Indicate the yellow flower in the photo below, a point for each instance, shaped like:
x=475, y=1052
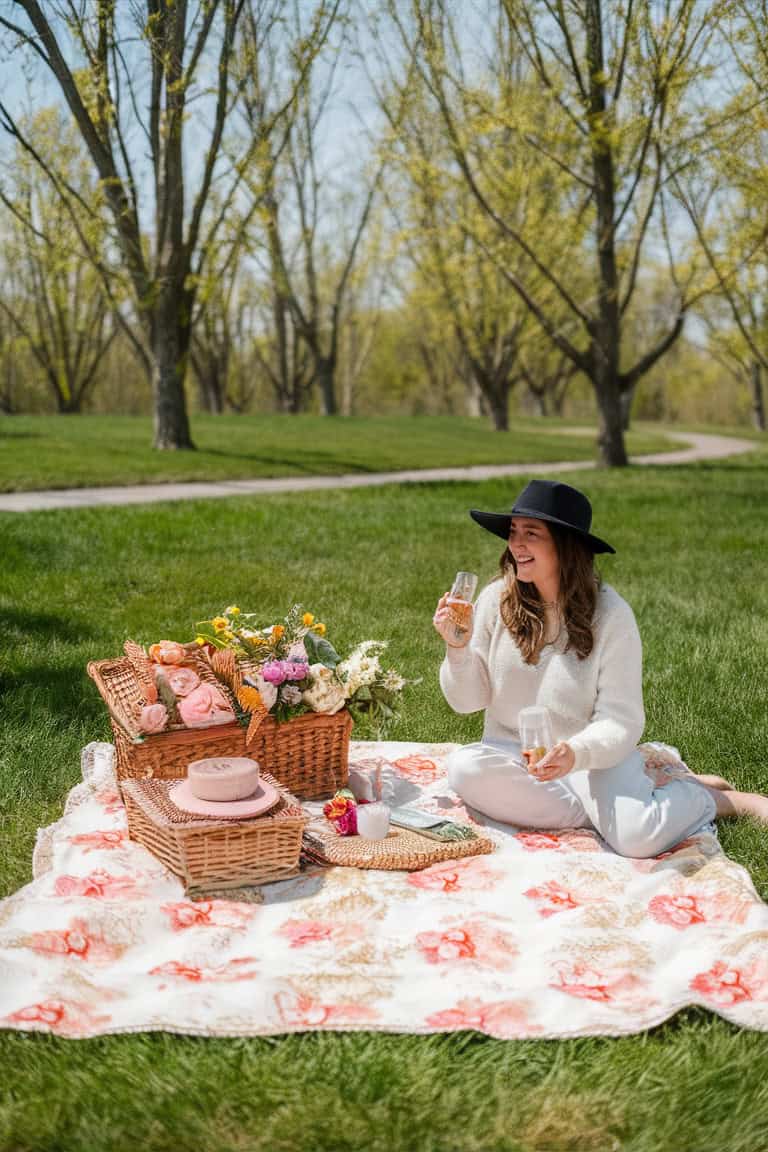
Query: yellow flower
x=278, y=632
x=319, y=628
x=220, y=623
x=307, y=619
x=233, y=610
x=227, y=635
x=200, y=640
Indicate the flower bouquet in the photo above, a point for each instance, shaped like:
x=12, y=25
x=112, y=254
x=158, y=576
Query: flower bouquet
x=291, y=668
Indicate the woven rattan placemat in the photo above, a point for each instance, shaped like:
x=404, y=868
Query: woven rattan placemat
x=152, y=797
x=403, y=850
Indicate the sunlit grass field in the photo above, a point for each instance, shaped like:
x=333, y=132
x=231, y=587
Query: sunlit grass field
x=691, y=546
x=82, y=451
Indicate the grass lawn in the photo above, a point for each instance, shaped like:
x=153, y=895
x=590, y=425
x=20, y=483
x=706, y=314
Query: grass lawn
x=81, y=451
x=691, y=559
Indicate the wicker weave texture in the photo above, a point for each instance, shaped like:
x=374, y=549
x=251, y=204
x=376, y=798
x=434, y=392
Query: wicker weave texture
x=308, y=754
x=402, y=850
x=207, y=854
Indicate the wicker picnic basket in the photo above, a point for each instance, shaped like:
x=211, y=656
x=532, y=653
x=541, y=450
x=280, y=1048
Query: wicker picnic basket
x=308, y=754
x=215, y=854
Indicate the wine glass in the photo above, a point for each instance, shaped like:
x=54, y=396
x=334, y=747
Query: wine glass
x=535, y=733
x=460, y=602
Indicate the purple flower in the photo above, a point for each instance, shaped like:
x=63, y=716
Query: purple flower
x=274, y=672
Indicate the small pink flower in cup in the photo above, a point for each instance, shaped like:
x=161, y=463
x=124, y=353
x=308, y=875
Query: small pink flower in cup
x=203, y=706
x=182, y=681
x=153, y=718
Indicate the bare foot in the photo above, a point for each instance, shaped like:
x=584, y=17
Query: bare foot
x=714, y=782
x=741, y=804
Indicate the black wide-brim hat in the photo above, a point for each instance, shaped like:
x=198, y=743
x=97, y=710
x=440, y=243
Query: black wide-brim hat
x=551, y=501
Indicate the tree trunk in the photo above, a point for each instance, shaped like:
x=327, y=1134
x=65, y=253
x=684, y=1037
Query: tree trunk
x=613, y=453
x=171, y=336
x=324, y=374
x=606, y=341
x=626, y=397
x=758, y=405
x=495, y=393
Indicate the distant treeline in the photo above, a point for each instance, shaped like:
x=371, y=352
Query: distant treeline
x=346, y=208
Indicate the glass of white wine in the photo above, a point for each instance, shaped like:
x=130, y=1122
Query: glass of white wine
x=535, y=734
x=460, y=602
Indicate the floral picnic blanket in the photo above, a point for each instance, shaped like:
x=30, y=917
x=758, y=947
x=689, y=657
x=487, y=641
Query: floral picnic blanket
x=552, y=935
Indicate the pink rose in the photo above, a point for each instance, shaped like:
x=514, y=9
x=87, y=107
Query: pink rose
x=181, y=681
x=167, y=652
x=295, y=669
x=274, y=672
x=346, y=825
x=205, y=705
x=153, y=718
x=297, y=651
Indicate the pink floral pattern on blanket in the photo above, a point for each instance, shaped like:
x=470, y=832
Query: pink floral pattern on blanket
x=99, y=841
x=63, y=1017
x=78, y=940
x=473, y=873
x=240, y=968
x=98, y=885
x=418, y=769
x=504, y=1019
x=550, y=935
x=551, y=898
x=471, y=942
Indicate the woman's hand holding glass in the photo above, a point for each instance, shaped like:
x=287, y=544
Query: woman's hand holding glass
x=556, y=763
x=457, y=634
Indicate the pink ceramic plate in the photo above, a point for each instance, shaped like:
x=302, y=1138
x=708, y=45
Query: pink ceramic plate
x=264, y=798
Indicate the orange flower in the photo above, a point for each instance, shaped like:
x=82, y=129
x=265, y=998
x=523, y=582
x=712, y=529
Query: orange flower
x=250, y=698
x=278, y=632
x=319, y=628
x=336, y=807
x=307, y=619
x=167, y=652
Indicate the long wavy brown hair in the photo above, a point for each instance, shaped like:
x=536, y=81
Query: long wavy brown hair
x=522, y=608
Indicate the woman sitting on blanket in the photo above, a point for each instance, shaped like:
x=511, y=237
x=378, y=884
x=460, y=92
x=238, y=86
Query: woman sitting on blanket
x=549, y=632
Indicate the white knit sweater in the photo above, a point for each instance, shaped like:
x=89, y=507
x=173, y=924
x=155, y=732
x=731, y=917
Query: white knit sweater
x=595, y=704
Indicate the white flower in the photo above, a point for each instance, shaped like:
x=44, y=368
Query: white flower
x=267, y=691
x=393, y=681
x=290, y=694
x=324, y=694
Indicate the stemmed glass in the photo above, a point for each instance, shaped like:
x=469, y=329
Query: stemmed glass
x=460, y=602
x=535, y=733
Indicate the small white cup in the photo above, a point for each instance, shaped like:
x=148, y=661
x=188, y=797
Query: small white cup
x=373, y=821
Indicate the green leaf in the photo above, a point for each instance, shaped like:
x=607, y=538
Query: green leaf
x=321, y=651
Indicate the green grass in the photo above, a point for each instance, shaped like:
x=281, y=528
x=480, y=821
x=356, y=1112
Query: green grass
x=80, y=451
x=691, y=558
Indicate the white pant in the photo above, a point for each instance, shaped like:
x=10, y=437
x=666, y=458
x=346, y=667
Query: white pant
x=621, y=803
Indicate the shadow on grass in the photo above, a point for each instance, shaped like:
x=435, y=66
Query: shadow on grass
x=18, y=623
x=309, y=462
x=59, y=692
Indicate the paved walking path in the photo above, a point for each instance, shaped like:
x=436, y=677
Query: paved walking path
x=702, y=447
